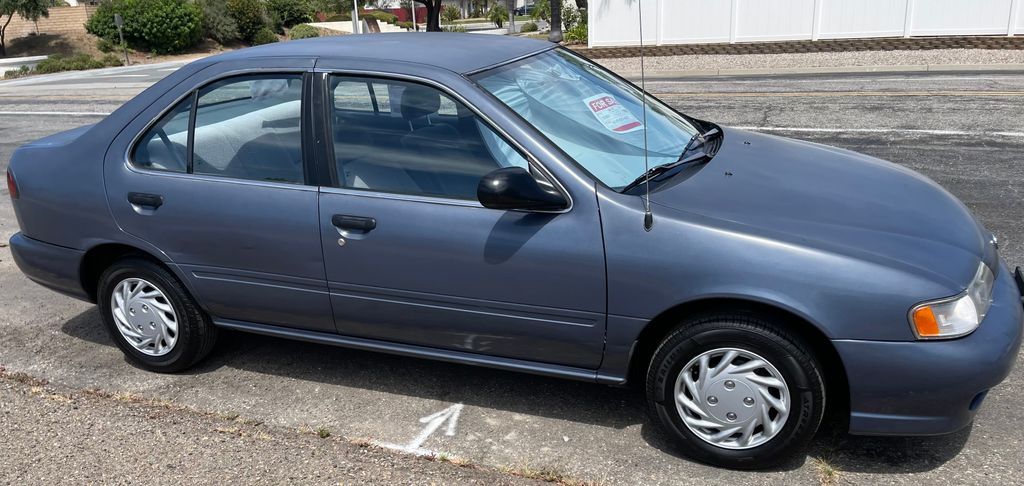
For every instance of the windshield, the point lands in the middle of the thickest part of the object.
(590, 114)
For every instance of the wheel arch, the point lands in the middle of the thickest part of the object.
(837, 386)
(101, 256)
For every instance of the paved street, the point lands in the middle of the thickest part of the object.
(965, 130)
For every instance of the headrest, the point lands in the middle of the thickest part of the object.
(419, 101)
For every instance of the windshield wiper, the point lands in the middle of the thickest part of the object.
(698, 139)
(656, 171)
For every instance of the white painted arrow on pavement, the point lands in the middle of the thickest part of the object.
(434, 421)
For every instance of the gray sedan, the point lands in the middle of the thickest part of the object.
(507, 203)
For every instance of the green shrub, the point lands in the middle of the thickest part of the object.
(342, 17)
(529, 27)
(217, 21)
(17, 73)
(577, 34)
(407, 25)
(303, 31)
(78, 62)
(106, 45)
(541, 10)
(570, 16)
(450, 13)
(170, 26)
(380, 16)
(265, 36)
(250, 16)
(498, 14)
(290, 12)
(161, 26)
(101, 24)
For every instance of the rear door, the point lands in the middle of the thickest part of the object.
(412, 257)
(222, 183)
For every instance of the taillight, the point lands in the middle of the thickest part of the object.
(12, 187)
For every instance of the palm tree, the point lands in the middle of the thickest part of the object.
(556, 21)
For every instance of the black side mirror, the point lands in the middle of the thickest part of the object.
(515, 188)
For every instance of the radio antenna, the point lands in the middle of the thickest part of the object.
(648, 215)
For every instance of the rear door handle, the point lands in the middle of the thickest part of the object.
(149, 201)
(355, 223)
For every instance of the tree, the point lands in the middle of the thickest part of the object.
(498, 14)
(556, 21)
(433, 14)
(31, 10)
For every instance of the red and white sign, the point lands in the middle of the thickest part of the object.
(612, 115)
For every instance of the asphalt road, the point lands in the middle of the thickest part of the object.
(966, 131)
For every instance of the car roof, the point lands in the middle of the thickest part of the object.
(458, 52)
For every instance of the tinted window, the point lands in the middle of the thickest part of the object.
(164, 146)
(250, 127)
(424, 143)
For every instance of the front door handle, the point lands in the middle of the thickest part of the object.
(354, 223)
(148, 201)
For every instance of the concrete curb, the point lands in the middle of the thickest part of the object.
(14, 63)
(914, 68)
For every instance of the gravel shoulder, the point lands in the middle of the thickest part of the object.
(55, 436)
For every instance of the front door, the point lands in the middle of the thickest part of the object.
(412, 257)
(220, 185)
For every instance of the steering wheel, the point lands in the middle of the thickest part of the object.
(170, 148)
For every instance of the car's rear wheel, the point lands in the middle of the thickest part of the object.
(737, 391)
(151, 316)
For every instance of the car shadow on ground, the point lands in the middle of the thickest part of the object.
(574, 401)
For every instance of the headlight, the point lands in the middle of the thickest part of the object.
(956, 316)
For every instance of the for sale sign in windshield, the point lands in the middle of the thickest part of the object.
(611, 114)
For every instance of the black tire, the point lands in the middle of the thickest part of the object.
(196, 333)
(766, 338)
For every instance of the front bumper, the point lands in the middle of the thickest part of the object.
(933, 387)
(54, 267)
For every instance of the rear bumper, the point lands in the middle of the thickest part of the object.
(932, 387)
(54, 267)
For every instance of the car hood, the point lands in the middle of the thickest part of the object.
(833, 199)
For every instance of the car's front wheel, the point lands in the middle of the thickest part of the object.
(151, 316)
(737, 391)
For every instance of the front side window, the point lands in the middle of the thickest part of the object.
(245, 127)
(594, 117)
(409, 138)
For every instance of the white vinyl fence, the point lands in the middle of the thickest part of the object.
(616, 22)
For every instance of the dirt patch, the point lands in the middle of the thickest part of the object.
(82, 43)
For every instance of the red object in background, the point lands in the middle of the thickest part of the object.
(12, 187)
(403, 14)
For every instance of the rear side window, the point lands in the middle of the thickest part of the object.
(165, 145)
(245, 127)
(250, 128)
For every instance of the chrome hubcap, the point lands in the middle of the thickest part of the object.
(144, 316)
(732, 398)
